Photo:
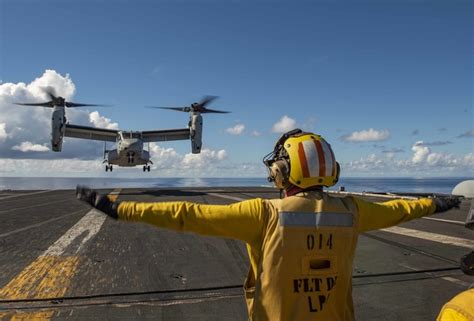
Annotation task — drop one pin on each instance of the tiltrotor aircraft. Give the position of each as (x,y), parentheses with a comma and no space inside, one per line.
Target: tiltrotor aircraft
(129,151)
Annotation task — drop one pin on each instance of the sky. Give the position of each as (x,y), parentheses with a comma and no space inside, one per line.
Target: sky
(389,84)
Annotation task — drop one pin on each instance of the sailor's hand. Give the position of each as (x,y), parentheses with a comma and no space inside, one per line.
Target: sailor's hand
(99,201)
(445,203)
(467,263)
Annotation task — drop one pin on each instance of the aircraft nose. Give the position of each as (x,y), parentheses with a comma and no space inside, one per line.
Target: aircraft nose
(134,145)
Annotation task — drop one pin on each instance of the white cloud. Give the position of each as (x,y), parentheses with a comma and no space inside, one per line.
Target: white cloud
(102,122)
(170,162)
(436,143)
(206,158)
(33,124)
(50,167)
(30,147)
(422,162)
(164,158)
(421,152)
(3,132)
(238,129)
(468,160)
(256,133)
(284,124)
(368,135)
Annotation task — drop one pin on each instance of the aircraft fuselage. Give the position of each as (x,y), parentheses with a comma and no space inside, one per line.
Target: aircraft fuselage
(129,151)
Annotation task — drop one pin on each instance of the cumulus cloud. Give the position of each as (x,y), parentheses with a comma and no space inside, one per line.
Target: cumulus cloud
(19,124)
(3,132)
(256,133)
(102,122)
(469,133)
(422,162)
(30,147)
(168,161)
(206,158)
(238,129)
(435,143)
(284,124)
(420,152)
(368,135)
(393,150)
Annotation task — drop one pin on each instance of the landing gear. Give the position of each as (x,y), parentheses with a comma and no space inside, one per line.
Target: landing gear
(146,168)
(108,167)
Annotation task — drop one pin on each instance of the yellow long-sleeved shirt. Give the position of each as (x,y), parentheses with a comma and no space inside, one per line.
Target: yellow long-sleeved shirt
(459,308)
(255,222)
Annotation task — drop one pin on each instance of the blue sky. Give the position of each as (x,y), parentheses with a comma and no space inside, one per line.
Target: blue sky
(400,68)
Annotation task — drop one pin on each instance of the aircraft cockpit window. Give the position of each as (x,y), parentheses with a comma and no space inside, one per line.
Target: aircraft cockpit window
(136,135)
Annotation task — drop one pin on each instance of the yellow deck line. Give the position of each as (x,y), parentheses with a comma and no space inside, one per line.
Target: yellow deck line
(48,276)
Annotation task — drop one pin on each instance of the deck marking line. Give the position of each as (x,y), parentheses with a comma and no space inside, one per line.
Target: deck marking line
(39,224)
(50,275)
(234,198)
(446,278)
(26,194)
(91,223)
(456,281)
(443,220)
(33,206)
(429,236)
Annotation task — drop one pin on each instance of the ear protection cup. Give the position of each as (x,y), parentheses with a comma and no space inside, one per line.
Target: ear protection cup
(302,159)
(279,172)
(338,172)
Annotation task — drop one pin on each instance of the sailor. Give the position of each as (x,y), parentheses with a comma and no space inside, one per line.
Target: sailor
(461,307)
(301,247)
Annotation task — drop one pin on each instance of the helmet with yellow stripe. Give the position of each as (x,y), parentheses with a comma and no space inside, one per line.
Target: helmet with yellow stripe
(302,159)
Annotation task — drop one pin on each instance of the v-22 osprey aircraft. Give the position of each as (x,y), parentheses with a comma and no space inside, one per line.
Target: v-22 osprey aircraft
(129,151)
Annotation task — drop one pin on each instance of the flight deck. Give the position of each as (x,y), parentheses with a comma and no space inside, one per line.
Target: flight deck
(62,260)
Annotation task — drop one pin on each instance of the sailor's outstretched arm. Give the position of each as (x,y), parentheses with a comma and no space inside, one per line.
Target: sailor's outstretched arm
(373,216)
(243,220)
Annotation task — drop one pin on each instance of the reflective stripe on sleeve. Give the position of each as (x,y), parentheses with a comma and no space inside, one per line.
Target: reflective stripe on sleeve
(322,219)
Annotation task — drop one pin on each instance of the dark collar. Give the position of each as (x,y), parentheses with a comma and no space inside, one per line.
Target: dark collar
(293,190)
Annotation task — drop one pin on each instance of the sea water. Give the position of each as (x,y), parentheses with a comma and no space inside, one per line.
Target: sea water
(352,184)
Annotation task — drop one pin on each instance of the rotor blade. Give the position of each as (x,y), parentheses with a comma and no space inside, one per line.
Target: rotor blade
(207,110)
(206,100)
(50,91)
(184,109)
(70,104)
(45,104)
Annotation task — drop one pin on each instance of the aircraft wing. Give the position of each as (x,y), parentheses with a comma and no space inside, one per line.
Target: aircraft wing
(165,135)
(92,133)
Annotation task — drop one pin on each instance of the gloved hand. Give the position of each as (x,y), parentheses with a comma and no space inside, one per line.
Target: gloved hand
(467,263)
(445,203)
(100,202)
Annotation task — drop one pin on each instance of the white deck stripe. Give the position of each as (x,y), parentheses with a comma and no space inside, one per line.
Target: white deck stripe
(434,237)
(327,158)
(234,198)
(29,227)
(443,220)
(312,160)
(456,281)
(90,223)
(26,194)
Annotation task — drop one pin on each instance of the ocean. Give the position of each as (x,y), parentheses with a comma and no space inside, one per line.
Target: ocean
(352,184)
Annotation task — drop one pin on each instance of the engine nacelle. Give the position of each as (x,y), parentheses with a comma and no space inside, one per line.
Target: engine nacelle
(58,127)
(195,130)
